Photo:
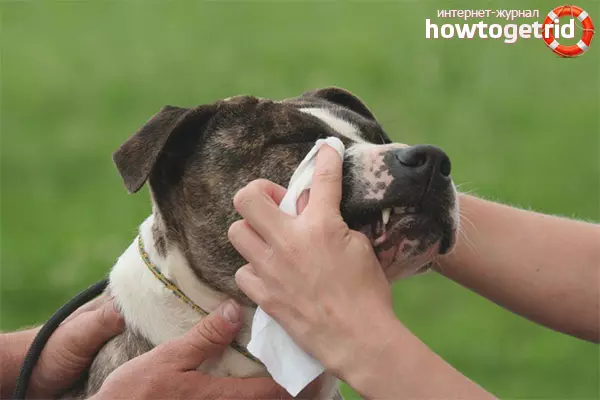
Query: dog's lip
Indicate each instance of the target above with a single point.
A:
(446, 242)
(395, 224)
(401, 224)
(388, 256)
(407, 222)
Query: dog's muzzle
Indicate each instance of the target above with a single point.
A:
(402, 198)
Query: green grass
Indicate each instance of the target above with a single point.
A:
(77, 78)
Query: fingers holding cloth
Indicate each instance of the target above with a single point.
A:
(264, 206)
(268, 228)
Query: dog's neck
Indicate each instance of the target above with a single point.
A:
(149, 307)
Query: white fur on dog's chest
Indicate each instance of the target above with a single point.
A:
(154, 312)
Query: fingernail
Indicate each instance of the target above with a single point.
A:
(113, 315)
(231, 311)
(302, 201)
(117, 310)
(324, 146)
(115, 305)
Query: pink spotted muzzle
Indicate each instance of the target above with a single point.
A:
(403, 199)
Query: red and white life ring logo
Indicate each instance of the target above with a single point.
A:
(587, 27)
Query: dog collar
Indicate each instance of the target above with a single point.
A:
(169, 284)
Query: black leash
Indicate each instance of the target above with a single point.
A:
(33, 354)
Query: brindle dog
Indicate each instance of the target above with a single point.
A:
(195, 160)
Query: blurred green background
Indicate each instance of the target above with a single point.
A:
(77, 78)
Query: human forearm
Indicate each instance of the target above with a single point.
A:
(13, 347)
(542, 267)
(394, 364)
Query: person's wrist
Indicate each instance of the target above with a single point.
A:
(360, 353)
(13, 348)
(21, 341)
(452, 262)
(389, 348)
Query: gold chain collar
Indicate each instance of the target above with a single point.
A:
(182, 296)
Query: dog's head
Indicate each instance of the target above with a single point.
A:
(195, 160)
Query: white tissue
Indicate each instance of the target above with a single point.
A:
(289, 365)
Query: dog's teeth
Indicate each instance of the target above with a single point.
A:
(399, 210)
(385, 215)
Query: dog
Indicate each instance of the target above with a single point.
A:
(195, 159)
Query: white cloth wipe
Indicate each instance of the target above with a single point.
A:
(289, 365)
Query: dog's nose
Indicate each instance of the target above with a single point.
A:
(425, 159)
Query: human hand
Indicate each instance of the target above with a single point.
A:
(320, 280)
(72, 347)
(169, 370)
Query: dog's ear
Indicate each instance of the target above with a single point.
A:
(137, 157)
(343, 98)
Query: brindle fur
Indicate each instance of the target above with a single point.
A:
(195, 160)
